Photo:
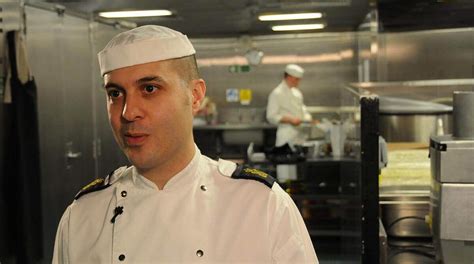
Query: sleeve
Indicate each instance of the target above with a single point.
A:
(60, 255)
(307, 116)
(291, 242)
(273, 109)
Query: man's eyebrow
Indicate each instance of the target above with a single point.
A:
(149, 79)
(139, 81)
(113, 85)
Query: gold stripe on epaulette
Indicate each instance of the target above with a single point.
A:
(256, 172)
(95, 182)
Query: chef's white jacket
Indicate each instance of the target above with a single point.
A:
(286, 101)
(202, 215)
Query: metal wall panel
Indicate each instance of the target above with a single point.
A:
(328, 60)
(72, 111)
(76, 80)
(59, 56)
(108, 154)
(43, 46)
(426, 55)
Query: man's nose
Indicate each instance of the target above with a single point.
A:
(132, 109)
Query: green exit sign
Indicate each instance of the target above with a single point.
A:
(239, 68)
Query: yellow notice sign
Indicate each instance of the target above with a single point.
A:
(245, 96)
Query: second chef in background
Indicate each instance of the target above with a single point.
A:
(286, 108)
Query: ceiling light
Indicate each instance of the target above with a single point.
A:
(137, 13)
(289, 16)
(297, 27)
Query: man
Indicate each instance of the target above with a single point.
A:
(286, 108)
(173, 205)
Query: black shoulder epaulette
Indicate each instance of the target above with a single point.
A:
(245, 172)
(96, 185)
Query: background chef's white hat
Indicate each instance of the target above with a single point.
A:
(294, 70)
(142, 45)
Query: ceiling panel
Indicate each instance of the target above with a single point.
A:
(409, 15)
(229, 18)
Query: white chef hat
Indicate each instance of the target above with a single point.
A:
(294, 70)
(142, 45)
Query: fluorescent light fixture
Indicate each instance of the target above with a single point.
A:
(276, 17)
(137, 13)
(297, 27)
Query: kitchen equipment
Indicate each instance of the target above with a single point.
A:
(336, 133)
(406, 120)
(383, 245)
(404, 192)
(255, 156)
(314, 148)
(383, 154)
(403, 211)
(337, 137)
(452, 191)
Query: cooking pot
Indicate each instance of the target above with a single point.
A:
(406, 120)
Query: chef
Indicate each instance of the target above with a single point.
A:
(286, 108)
(173, 205)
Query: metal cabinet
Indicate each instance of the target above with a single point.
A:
(73, 125)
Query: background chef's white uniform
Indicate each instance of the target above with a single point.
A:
(282, 101)
(201, 216)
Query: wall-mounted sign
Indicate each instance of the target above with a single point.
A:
(239, 68)
(245, 96)
(232, 95)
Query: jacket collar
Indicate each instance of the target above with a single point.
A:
(184, 177)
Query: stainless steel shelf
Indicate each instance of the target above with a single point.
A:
(414, 83)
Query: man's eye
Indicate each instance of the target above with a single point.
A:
(114, 93)
(150, 88)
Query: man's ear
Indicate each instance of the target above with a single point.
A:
(199, 91)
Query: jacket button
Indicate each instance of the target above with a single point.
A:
(199, 253)
(123, 193)
(203, 188)
(122, 257)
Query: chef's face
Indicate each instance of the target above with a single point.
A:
(292, 81)
(150, 109)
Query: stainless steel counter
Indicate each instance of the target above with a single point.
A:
(236, 127)
(232, 140)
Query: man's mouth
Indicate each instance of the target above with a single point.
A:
(135, 139)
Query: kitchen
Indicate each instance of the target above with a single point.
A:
(364, 51)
